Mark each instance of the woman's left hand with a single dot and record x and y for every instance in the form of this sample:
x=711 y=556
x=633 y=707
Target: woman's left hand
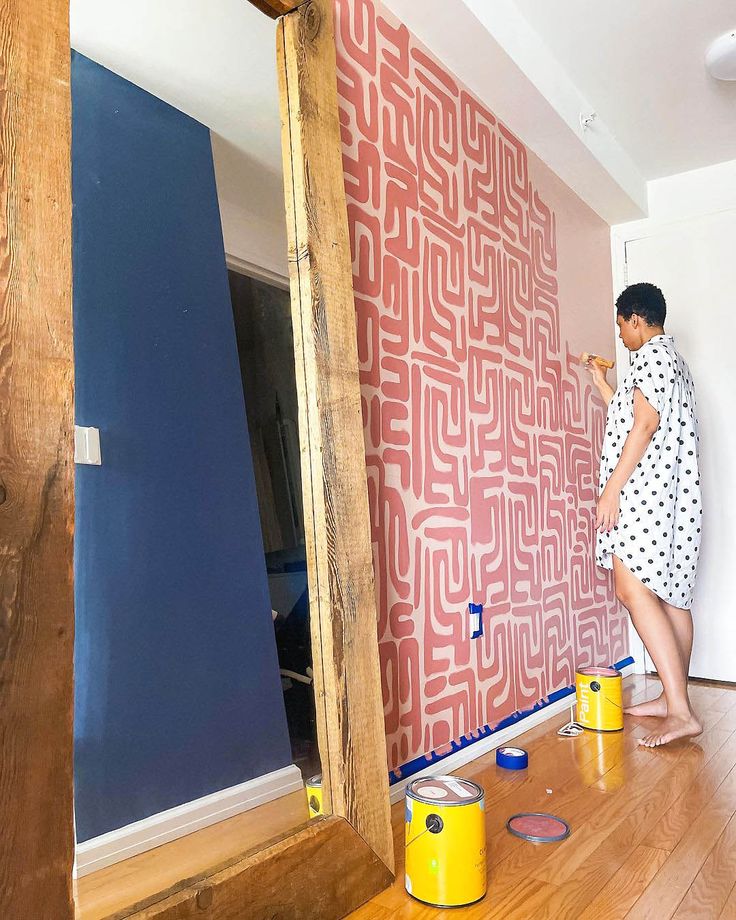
x=607 y=510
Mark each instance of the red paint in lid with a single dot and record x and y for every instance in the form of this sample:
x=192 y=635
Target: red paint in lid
x=538 y=827
x=599 y=672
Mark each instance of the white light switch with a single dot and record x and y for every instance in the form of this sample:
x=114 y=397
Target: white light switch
x=87 y=445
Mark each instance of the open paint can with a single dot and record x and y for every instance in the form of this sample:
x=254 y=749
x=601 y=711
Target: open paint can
x=445 y=841
x=599 y=696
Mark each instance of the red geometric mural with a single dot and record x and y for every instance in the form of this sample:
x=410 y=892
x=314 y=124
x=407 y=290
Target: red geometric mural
x=482 y=444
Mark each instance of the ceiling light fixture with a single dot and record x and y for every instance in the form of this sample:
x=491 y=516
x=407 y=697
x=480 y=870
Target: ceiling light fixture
x=720 y=58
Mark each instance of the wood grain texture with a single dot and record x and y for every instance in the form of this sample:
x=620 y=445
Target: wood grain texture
x=276 y=8
x=729 y=909
x=614 y=794
x=671 y=883
x=621 y=891
x=339 y=554
x=115 y=889
x=321 y=872
x=36 y=454
x=708 y=894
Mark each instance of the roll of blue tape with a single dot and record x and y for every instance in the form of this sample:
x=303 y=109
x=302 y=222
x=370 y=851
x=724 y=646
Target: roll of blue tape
x=512 y=758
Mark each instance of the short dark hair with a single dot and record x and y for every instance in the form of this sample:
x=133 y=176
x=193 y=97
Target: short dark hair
x=646 y=300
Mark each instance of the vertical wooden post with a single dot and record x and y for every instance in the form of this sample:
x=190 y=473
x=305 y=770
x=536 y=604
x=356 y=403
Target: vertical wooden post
x=36 y=457
x=339 y=556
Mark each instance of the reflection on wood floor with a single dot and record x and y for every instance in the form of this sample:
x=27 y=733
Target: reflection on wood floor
x=110 y=890
x=653 y=831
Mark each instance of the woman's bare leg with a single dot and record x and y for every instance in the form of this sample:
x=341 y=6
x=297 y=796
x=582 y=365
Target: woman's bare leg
x=682 y=625
x=653 y=624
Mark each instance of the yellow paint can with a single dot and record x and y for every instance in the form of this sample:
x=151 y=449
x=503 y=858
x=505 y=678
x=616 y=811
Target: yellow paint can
x=314 y=795
x=599 y=699
x=445 y=841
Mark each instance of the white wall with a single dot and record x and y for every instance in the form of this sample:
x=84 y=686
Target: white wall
x=687 y=247
x=215 y=61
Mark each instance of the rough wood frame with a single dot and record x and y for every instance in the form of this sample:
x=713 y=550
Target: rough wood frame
x=36 y=472
x=339 y=554
x=276 y=8
x=336 y=863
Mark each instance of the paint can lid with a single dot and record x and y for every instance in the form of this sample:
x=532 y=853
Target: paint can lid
x=538 y=826
x=599 y=672
x=315 y=780
x=444 y=790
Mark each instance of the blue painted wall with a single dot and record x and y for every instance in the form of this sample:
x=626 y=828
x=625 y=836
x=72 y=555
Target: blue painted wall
x=177 y=687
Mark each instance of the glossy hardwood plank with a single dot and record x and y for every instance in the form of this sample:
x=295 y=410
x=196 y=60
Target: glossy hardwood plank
x=372 y=911
x=663 y=896
x=617 y=839
x=614 y=793
x=679 y=818
x=728 y=719
x=624 y=888
x=729 y=909
x=708 y=894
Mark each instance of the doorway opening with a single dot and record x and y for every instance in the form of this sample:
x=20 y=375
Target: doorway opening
x=263 y=329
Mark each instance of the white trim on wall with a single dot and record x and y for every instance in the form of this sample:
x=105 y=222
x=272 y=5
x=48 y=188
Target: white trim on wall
x=491 y=742
x=243 y=267
x=184 y=819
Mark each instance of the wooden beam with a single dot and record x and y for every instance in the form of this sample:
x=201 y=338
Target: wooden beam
x=276 y=8
x=323 y=871
x=339 y=555
x=36 y=455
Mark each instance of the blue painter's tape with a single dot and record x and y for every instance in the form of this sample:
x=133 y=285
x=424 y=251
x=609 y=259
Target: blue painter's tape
x=512 y=758
x=624 y=663
x=421 y=763
x=476 y=620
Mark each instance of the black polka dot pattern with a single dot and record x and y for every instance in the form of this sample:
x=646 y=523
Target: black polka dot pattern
x=658 y=533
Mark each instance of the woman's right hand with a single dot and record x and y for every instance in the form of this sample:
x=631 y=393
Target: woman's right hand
x=597 y=372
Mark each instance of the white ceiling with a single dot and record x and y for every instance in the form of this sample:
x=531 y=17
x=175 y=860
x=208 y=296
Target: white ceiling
x=216 y=61
x=535 y=63
x=213 y=59
x=640 y=64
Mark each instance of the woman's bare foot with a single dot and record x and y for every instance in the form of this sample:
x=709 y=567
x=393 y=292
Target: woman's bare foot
x=656 y=707
x=671 y=729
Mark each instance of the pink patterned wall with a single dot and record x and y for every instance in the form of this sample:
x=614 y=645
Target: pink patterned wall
x=482 y=436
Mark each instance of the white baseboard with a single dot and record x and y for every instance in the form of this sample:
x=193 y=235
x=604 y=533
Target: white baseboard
x=184 y=819
x=454 y=761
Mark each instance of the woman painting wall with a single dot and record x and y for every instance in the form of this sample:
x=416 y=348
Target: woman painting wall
x=478 y=277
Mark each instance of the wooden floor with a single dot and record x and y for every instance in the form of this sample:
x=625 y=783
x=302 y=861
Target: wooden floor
x=653 y=831
x=115 y=889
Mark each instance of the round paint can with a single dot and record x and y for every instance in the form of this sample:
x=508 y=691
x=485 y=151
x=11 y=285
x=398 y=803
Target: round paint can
x=445 y=841
x=314 y=795
x=599 y=696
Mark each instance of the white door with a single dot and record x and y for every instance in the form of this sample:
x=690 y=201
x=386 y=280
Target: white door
x=694 y=262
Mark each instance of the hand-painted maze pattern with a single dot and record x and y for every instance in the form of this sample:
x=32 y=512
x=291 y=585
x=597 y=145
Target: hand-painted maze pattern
x=481 y=440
